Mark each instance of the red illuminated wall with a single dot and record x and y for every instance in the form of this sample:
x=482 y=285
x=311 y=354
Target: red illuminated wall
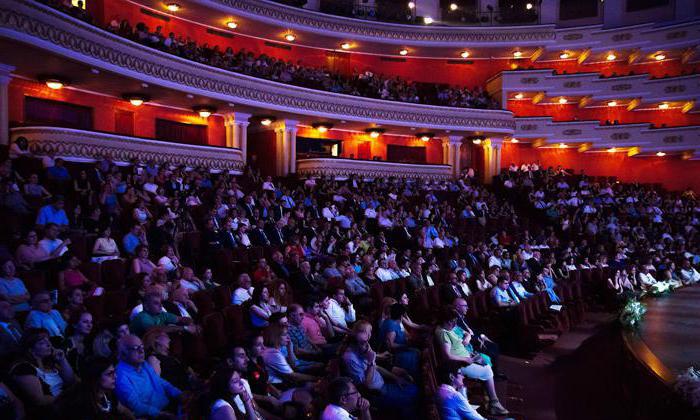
x=352 y=140
x=568 y=112
x=417 y=69
x=106 y=108
x=673 y=173
x=261 y=150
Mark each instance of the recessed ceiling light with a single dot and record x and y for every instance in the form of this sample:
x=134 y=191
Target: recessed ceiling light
x=660 y=56
x=290 y=37
x=173 y=7
x=427 y=20
x=612 y=103
x=564 y=55
x=374 y=132
x=94 y=71
x=403 y=52
x=411 y=5
x=611 y=57
x=135 y=99
x=453 y=6
x=517 y=54
x=425 y=136
x=266 y=121
x=476 y=141
x=660 y=154
x=563 y=100
x=465 y=54
x=231 y=24
x=612 y=150
x=144 y=85
x=528 y=6
x=514 y=140
x=664 y=105
x=322 y=127
x=519 y=96
x=345 y=45
x=562 y=145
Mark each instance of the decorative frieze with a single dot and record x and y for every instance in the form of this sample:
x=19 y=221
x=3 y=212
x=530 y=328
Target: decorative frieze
x=370 y=169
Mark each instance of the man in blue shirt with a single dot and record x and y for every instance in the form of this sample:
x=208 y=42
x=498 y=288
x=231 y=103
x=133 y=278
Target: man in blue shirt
x=139 y=387
x=133 y=239
x=58 y=172
x=53 y=213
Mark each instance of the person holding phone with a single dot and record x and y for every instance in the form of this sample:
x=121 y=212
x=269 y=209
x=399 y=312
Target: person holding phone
x=41 y=374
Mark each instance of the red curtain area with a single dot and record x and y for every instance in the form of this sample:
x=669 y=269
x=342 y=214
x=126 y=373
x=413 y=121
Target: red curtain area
x=124 y=122
x=364 y=150
x=261 y=151
x=178 y=132
x=672 y=172
x=61 y=114
x=405 y=154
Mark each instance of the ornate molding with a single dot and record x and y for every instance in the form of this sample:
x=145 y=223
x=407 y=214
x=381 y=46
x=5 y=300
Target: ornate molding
x=371 y=169
x=292 y=17
x=45 y=27
x=82 y=145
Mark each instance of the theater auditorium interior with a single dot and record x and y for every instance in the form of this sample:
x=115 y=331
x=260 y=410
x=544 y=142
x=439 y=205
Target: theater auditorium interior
x=349 y=209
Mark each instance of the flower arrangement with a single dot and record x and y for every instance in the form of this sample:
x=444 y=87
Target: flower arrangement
x=688 y=386
x=632 y=314
x=660 y=288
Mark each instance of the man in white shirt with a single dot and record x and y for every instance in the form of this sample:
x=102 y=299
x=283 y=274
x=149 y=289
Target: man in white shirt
x=384 y=273
x=340 y=310
x=344 y=398
x=244 y=291
x=268 y=185
x=370 y=212
x=646 y=278
x=495 y=259
x=689 y=274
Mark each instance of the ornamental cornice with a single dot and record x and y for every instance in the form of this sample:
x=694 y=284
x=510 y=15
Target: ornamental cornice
x=42 y=26
x=370 y=169
x=80 y=144
x=304 y=19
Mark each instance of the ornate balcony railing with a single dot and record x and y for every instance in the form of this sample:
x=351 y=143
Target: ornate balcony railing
x=370 y=169
x=39 y=25
x=81 y=145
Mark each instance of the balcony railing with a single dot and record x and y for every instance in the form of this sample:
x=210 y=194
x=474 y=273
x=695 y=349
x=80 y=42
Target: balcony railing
x=82 y=145
x=338 y=167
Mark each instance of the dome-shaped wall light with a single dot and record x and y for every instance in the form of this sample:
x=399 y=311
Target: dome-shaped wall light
x=204 y=111
x=136 y=99
x=322 y=127
x=375 y=132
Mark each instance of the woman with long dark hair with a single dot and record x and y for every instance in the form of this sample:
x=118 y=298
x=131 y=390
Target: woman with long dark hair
x=230 y=397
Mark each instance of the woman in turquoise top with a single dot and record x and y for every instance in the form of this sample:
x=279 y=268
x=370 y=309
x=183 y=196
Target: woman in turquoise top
x=393 y=338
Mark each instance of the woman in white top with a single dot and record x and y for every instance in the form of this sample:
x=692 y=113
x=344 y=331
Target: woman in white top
x=170 y=261
x=230 y=396
x=105 y=247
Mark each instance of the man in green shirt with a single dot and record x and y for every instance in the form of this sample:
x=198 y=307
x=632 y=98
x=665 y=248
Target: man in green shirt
x=153 y=315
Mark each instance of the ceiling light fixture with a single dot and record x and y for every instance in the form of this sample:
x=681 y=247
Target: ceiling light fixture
x=664 y=105
x=528 y=6
x=425 y=136
x=231 y=24
x=403 y=52
x=204 y=111
x=267 y=120
x=563 y=146
x=517 y=54
x=612 y=103
x=611 y=57
x=563 y=100
x=564 y=55
x=660 y=56
x=411 y=5
x=519 y=96
x=660 y=154
x=612 y=150
x=375 y=132
x=514 y=140
x=453 y=6
x=290 y=37
x=135 y=99
x=465 y=54
x=322 y=127
x=427 y=20
x=346 y=45
x=54 y=83
x=173 y=7
x=476 y=141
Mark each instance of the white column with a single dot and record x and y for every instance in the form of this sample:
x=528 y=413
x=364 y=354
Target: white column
x=5 y=78
x=285 y=147
x=455 y=144
x=240 y=132
x=492 y=158
x=229 y=122
x=292 y=133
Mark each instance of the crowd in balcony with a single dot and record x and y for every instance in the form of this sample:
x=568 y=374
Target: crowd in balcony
x=146 y=290
x=366 y=84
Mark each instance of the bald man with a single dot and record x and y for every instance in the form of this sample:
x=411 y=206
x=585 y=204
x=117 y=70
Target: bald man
x=139 y=387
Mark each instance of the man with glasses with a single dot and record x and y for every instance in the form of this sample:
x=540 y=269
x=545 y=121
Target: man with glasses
x=343 y=399
x=482 y=344
x=139 y=387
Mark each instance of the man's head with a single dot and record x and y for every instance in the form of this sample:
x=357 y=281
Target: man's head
x=58 y=202
x=461 y=306
x=51 y=231
x=295 y=314
x=305 y=267
x=313 y=305
x=244 y=281
x=239 y=359
x=342 y=392
x=449 y=374
x=42 y=302
x=131 y=350
x=153 y=302
x=452 y=278
x=503 y=283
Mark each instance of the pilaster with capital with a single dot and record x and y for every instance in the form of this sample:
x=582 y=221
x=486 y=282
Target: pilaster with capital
x=5 y=77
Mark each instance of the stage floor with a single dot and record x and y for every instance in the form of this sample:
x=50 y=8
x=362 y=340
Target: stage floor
x=671 y=328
